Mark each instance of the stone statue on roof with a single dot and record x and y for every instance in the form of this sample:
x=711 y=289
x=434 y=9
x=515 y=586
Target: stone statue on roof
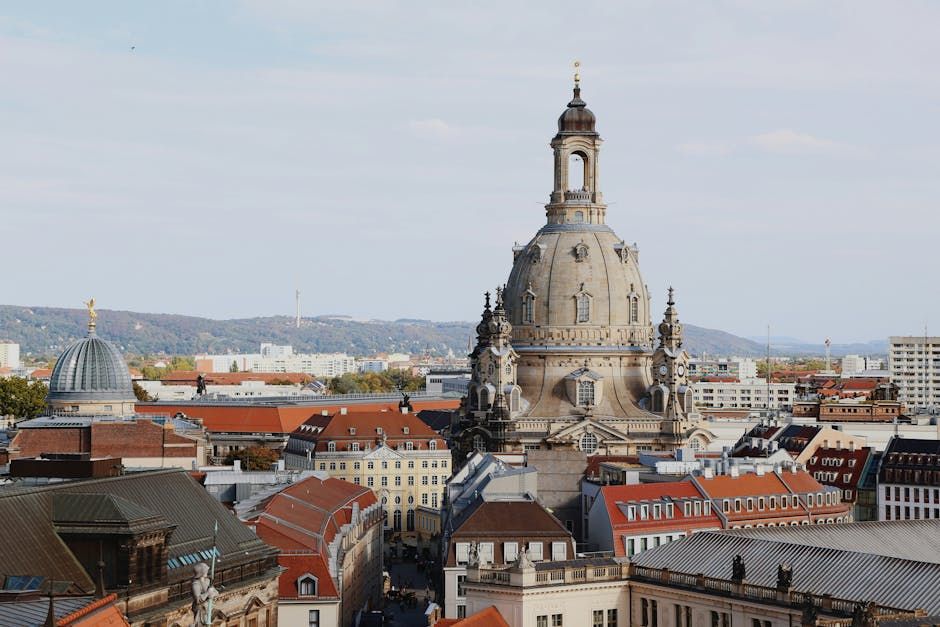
x=784 y=577
x=200 y=385
x=738 y=572
x=810 y=611
x=524 y=560
x=473 y=557
x=202 y=591
x=865 y=615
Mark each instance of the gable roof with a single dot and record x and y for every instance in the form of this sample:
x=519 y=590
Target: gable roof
x=517 y=517
x=301 y=520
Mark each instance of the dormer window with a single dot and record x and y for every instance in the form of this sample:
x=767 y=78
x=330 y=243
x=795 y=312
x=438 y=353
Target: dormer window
x=354 y=446
x=331 y=447
x=432 y=445
x=586 y=394
x=352 y=430
x=409 y=446
x=405 y=430
x=379 y=430
x=307 y=586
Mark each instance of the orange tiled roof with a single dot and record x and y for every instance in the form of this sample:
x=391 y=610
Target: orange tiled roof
x=487 y=617
x=245 y=418
x=367 y=425
x=302 y=520
x=188 y=377
x=726 y=486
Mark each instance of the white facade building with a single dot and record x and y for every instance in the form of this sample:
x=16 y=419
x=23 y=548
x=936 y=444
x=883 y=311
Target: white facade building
x=914 y=363
x=9 y=355
x=746 y=394
x=740 y=367
x=372 y=365
x=273 y=358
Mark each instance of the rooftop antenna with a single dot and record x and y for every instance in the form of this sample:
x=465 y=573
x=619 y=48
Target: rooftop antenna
x=298 y=307
x=769 y=370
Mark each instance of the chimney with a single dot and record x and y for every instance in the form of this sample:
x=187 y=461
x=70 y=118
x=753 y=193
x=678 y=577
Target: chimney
x=404 y=409
x=342 y=411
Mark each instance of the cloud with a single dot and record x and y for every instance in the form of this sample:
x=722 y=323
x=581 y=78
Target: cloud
x=790 y=142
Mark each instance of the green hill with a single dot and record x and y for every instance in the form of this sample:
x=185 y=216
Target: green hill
x=48 y=330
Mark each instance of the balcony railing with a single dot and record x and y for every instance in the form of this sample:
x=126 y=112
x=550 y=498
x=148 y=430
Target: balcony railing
x=578 y=195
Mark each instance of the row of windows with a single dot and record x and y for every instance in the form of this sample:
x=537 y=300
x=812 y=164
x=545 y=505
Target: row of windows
x=408 y=446
x=689 y=508
x=916 y=492
x=371 y=465
x=632 y=546
x=907 y=513
x=812 y=500
x=583 y=308
x=485 y=551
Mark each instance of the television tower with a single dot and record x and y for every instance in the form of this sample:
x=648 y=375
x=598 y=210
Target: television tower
x=298 y=308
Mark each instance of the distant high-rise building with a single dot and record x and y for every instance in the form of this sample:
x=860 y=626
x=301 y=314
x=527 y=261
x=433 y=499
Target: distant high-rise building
x=739 y=367
x=9 y=355
x=914 y=364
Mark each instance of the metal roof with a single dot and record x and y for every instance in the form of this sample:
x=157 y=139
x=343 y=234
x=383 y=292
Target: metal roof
x=33 y=613
x=30 y=545
x=91 y=369
x=893 y=563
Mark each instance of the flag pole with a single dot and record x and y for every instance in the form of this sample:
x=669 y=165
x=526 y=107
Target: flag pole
x=215 y=535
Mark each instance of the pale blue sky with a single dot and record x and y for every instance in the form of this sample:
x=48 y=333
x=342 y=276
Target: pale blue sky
x=775 y=162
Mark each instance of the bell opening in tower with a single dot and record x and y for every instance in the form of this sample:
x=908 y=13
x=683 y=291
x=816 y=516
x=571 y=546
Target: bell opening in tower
x=577 y=172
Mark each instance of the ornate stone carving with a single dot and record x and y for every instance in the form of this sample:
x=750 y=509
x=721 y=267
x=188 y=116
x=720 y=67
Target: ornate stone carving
x=581 y=252
x=202 y=591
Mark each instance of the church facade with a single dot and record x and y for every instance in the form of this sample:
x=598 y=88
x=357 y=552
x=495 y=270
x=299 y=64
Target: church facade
x=567 y=356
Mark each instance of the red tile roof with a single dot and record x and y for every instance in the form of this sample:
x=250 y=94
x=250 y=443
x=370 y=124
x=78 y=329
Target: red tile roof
x=99 y=613
x=615 y=496
x=188 y=377
x=488 y=617
x=262 y=418
x=749 y=484
x=367 y=425
x=302 y=520
x=842 y=463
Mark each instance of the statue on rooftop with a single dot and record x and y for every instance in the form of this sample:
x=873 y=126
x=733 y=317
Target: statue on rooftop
x=738 y=573
x=200 y=385
x=202 y=592
x=784 y=577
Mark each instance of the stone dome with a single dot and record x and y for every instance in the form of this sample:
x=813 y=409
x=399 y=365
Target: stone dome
x=91 y=369
x=577 y=118
x=565 y=263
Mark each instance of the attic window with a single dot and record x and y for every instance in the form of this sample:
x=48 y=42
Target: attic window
x=352 y=430
x=379 y=430
x=331 y=447
x=307 y=586
x=405 y=430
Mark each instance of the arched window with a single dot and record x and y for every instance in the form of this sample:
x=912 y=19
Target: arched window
x=634 y=309
x=410 y=520
x=397 y=519
x=576 y=169
x=585 y=393
x=484 y=399
x=584 y=307
x=658 y=401
x=528 y=308
x=331 y=447
x=432 y=445
x=588 y=443
x=695 y=444
x=354 y=446
x=479 y=443
x=578 y=217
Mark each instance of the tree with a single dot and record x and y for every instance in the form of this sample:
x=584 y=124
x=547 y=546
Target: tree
x=253 y=458
x=372 y=382
x=141 y=393
x=22 y=399
x=233 y=367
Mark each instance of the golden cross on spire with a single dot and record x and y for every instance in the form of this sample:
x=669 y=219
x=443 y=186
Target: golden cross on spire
x=577 y=73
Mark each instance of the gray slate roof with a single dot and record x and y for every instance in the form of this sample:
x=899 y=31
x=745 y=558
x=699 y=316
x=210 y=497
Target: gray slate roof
x=91 y=369
x=30 y=546
x=894 y=563
x=33 y=613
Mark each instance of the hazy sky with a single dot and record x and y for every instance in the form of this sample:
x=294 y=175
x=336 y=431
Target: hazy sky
x=775 y=162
